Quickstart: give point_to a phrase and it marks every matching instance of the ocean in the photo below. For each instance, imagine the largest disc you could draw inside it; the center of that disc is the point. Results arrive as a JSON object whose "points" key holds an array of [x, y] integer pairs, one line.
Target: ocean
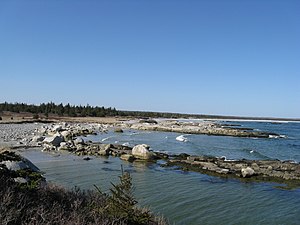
{"points": [[190, 197]]}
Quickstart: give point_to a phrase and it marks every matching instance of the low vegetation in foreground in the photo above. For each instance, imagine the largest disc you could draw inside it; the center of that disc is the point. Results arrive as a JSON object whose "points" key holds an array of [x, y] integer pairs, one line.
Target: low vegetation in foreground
{"points": [[51, 204]]}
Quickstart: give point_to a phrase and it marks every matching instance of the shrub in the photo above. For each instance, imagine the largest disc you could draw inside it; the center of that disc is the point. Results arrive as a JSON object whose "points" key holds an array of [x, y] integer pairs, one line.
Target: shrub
{"points": [[35, 116], [51, 204]]}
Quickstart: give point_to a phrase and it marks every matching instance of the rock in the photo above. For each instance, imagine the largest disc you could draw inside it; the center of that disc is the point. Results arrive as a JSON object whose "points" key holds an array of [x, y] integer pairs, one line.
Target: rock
{"points": [[57, 128], [105, 149], [14, 165], [38, 138], [66, 134], [20, 180], [118, 130], [127, 157], [64, 146], [142, 152], [54, 140], [20, 164], [87, 158], [247, 172], [148, 121], [78, 141]]}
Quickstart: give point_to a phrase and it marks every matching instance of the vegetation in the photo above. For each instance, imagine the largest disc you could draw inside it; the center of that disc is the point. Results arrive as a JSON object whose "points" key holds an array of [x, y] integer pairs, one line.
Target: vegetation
{"points": [[82, 111], [53, 109], [50, 204]]}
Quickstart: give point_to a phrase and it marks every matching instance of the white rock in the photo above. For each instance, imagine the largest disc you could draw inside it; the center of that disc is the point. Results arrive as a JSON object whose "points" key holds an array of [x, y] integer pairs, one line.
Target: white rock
{"points": [[66, 134], [20, 180], [54, 140], [38, 138], [78, 141], [247, 172], [142, 152], [57, 128], [19, 165]]}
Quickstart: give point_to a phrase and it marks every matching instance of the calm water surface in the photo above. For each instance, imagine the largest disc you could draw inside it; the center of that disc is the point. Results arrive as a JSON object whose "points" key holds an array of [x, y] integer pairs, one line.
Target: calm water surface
{"points": [[188, 197]]}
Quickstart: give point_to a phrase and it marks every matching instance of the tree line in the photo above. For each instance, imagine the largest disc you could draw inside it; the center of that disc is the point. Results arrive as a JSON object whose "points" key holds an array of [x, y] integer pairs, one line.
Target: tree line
{"points": [[81, 111], [96, 111], [59, 109]]}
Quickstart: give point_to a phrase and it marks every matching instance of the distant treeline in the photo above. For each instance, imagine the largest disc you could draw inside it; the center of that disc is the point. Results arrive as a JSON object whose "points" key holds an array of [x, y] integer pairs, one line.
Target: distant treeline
{"points": [[59, 110], [83, 111]]}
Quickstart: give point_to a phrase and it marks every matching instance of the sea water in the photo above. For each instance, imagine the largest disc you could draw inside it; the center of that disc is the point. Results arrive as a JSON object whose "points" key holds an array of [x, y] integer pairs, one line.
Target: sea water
{"points": [[189, 197]]}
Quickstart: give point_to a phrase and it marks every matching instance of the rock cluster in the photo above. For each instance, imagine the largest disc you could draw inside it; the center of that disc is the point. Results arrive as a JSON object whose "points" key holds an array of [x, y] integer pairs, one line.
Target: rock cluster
{"points": [[260, 169], [64, 136], [202, 127]]}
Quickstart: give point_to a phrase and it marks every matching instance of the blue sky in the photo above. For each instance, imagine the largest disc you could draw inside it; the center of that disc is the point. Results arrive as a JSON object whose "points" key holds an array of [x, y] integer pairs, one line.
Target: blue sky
{"points": [[207, 57]]}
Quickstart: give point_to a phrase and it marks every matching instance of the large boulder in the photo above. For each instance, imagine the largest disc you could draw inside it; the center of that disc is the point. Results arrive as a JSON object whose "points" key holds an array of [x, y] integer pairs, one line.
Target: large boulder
{"points": [[54, 140], [16, 162], [247, 172], [142, 152]]}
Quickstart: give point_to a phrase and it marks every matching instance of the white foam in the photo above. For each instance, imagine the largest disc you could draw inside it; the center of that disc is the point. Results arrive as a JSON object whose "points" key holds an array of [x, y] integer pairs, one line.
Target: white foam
{"points": [[126, 144], [181, 138]]}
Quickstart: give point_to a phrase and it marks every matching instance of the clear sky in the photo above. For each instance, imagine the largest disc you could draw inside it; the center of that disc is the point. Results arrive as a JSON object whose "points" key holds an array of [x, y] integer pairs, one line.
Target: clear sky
{"points": [[233, 57]]}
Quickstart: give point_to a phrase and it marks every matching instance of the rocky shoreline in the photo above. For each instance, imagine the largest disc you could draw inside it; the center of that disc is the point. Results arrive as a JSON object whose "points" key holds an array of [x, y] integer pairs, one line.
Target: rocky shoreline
{"points": [[68, 137], [201, 127]]}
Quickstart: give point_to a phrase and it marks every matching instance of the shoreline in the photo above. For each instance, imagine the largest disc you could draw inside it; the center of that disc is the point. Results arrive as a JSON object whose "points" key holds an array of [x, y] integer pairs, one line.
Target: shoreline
{"points": [[66, 137]]}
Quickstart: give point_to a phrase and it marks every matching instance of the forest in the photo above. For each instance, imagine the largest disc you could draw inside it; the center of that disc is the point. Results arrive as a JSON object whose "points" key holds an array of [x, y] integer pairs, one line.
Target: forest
{"points": [[53, 109], [80, 111]]}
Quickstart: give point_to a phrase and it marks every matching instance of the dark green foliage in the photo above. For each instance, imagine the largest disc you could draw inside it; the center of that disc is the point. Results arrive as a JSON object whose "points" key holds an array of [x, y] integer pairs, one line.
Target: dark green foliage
{"points": [[122, 204], [60, 110], [35, 116]]}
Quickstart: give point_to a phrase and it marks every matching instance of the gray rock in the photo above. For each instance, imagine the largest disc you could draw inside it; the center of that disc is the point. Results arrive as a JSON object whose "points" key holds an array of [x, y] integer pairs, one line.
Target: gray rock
{"points": [[19, 165], [54, 140], [127, 157], [20, 180], [38, 138], [57, 128], [118, 130], [14, 165], [78, 141]]}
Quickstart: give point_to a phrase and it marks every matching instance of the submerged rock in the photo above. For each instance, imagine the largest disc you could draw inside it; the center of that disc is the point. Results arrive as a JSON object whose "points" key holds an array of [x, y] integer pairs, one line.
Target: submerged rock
{"points": [[127, 157]]}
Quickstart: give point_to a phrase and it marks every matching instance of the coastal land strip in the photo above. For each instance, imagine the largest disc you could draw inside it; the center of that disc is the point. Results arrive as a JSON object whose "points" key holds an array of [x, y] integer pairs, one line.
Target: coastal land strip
{"points": [[67, 136]]}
